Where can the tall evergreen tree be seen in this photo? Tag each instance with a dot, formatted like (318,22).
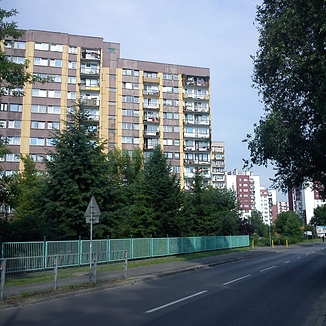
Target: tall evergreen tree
(162,193)
(78,169)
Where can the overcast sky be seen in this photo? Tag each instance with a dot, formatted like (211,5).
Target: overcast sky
(217,34)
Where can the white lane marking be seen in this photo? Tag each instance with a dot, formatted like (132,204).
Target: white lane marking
(237,279)
(299,257)
(307,253)
(266,269)
(286,262)
(174,302)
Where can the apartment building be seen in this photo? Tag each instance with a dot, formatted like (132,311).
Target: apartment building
(251,196)
(134,104)
(218,165)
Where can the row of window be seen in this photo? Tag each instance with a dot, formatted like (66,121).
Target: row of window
(148,74)
(17,124)
(53,63)
(52,93)
(57,78)
(51,109)
(37,141)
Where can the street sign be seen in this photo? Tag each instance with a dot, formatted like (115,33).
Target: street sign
(92,212)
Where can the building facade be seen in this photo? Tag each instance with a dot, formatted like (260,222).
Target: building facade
(218,165)
(251,196)
(134,104)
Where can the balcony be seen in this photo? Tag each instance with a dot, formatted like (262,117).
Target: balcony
(147,79)
(196,135)
(89,102)
(151,106)
(90,72)
(90,55)
(151,93)
(151,133)
(151,119)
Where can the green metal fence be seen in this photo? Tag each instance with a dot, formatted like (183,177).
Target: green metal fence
(33,255)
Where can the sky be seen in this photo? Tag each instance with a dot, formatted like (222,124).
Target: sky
(216,34)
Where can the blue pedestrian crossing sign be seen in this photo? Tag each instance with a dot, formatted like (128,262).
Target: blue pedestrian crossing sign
(92,212)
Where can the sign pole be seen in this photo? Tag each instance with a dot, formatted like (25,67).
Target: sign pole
(90,241)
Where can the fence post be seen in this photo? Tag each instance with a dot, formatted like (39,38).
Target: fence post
(55,272)
(2,277)
(80,257)
(95,268)
(126,264)
(108,248)
(152,246)
(44,252)
(168,244)
(131,247)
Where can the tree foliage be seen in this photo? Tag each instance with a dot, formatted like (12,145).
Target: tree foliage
(319,217)
(290,75)
(289,224)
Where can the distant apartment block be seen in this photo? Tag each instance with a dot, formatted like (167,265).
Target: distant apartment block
(134,104)
(282,206)
(218,165)
(251,196)
(305,200)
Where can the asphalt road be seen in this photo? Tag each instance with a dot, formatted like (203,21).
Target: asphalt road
(277,289)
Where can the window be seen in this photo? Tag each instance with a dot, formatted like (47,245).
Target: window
(38,109)
(54,93)
(136,126)
(72,65)
(126,85)
(176,116)
(167,142)
(49,142)
(73,49)
(175,90)
(112,89)
(167,115)
(71,80)
(37,124)
(41,46)
(175,77)
(12,157)
(53,109)
(150,74)
(13,140)
(167,128)
(53,125)
(126,72)
(177,142)
(169,155)
(3,107)
(19,60)
(39,92)
(167,89)
(71,95)
(126,126)
(112,76)
(40,62)
(112,117)
(136,99)
(136,86)
(175,102)
(3,123)
(127,112)
(176,129)
(55,63)
(136,73)
(177,169)
(177,155)
(167,102)
(56,78)
(167,76)
(37,141)
(136,140)
(136,113)
(111,50)
(16,108)
(15,124)
(112,103)
(126,99)
(56,47)
(126,140)
(19,45)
